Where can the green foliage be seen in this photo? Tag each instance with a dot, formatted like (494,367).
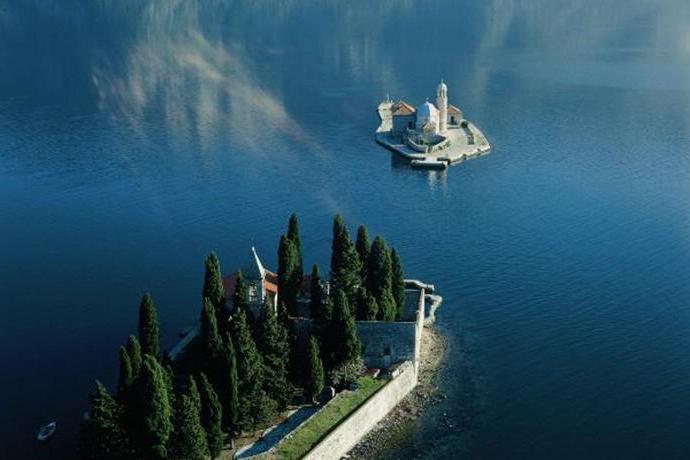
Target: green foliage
(188,441)
(224,377)
(347,372)
(249,371)
(397,282)
(293,235)
(379,280)
(212,344)
(345,265)
(315,378)
(101,435)
(134,352)
(362,245)
(213,289)
(274,345)
(316,294)
(211,416)
(153,409)
(344,345)
(193,392)
(289,274)
(240,298)
(149,329)
(266,410)
(367,307)
(126,377)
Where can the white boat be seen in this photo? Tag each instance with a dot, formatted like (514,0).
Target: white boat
(46,431)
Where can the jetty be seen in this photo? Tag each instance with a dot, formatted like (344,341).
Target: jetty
(429,136)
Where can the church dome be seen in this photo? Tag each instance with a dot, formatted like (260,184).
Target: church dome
(427,113)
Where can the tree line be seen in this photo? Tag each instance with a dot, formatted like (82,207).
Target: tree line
(241,370)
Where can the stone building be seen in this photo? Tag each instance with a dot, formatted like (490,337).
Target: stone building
(428,123)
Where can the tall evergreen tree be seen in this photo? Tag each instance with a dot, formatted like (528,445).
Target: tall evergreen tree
(211,416)
(316,294)
(213,288)
(397,283)
(126,377)
(363,245)
(249,371)
(379,275)
(192,391)
(188,441)
(240,298)
(154,409)
(210,337)
(345,265)
(289,274)
(344,344)
(315,378)
(101,434)
(149,329)
(134,352)
(367,307)
(223,375)
(293,235)
(273,343)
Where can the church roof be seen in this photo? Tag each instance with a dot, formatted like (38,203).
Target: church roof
(401,108)
(255,269)
(453,109)
(427,110)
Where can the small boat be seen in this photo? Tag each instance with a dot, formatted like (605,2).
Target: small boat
(429,164)
(46,431)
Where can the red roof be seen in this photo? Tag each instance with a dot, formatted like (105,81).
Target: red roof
(402,108)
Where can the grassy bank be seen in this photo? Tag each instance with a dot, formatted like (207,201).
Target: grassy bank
(322,423)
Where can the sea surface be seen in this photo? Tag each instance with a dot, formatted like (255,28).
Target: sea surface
(138,136)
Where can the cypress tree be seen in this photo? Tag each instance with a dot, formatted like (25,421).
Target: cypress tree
(189,439)
(367,307)
(126,377)
(101,435)
(345,346)
(397,283)
(213,287)
(273,343)
(249,371)
(193,392)
(154,409)
(211,416)
(226,383)
(315,378)
(293,235)
(289,274)
(362,245)
(379,277)
(316,294)
(134,352)
(210,337)
(240,298)
(345,265)
(149,329)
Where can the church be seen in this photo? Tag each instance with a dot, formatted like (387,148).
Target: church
(427,124)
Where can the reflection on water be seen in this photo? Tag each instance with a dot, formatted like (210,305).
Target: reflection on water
(135,136)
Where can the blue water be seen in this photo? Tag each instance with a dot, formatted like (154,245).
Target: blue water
(137,136)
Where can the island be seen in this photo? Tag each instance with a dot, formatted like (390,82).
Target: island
(281,364)
(429,136)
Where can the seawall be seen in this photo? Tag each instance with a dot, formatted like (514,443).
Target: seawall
(359,423)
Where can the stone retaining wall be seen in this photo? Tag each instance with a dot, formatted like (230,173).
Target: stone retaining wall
(360,422)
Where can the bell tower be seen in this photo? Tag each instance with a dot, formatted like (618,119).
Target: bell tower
(442,104)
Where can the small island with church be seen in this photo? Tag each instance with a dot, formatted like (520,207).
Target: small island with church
(429,136)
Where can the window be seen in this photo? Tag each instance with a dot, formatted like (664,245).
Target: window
(452,120)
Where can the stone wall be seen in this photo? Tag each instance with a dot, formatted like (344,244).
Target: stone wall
(361,421)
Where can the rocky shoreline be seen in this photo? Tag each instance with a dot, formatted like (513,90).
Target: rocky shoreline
(375,443)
